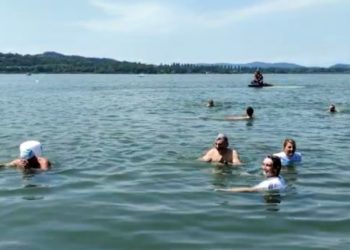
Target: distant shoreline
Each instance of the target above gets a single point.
(55, 63)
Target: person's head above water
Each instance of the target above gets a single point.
(221, 141)
(250, 111)
(271, 166)
(29, 157)
(332, 108)
(210, 103)
(221, 153)
(289, 147)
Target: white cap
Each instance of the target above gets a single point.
(34, 146)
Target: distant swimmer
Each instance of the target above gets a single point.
(332, 108)
(210, 103)
(221, 153)
(30, 157)
(248, 116)
(271, 167)
(289, 156)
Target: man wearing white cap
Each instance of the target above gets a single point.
(30, 157)
(221, 152)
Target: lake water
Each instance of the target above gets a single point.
(126, 175)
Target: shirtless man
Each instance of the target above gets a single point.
(221, 153)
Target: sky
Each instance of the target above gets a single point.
(305, 32)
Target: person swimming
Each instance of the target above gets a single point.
(332, 108)
(289, 156)
(221, 153)
(271, 167)
(248, 116)
(210, 103)
(30, 157)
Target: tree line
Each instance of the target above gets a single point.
(52, 62)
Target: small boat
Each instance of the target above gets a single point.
(254, 84)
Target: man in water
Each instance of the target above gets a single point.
(271, 167)
(248, 116)
(221, 153)
(30, 157)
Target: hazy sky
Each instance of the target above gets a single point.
(307, 32)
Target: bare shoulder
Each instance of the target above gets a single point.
(208, 155)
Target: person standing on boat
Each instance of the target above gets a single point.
(258, 78)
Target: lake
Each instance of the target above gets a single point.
(125, 171)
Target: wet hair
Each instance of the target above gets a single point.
(291, 141)
(276, 163)
(332, 108)
(210, 103)
(250, 111)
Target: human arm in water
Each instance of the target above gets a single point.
(41, 162)
(18, 163)
(239, 189)
(237, 118)
(235, 158)
(207, 157)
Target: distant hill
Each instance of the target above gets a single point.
(53, 62)
(340, 66)
(263, 65)
(281, 65)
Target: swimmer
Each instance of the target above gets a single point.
(332, 108)
(210, 103)
(221, 153)
(271, 167)
(30, 157)
(289, 155)
(248, 116)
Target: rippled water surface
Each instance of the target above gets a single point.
(126, 175)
